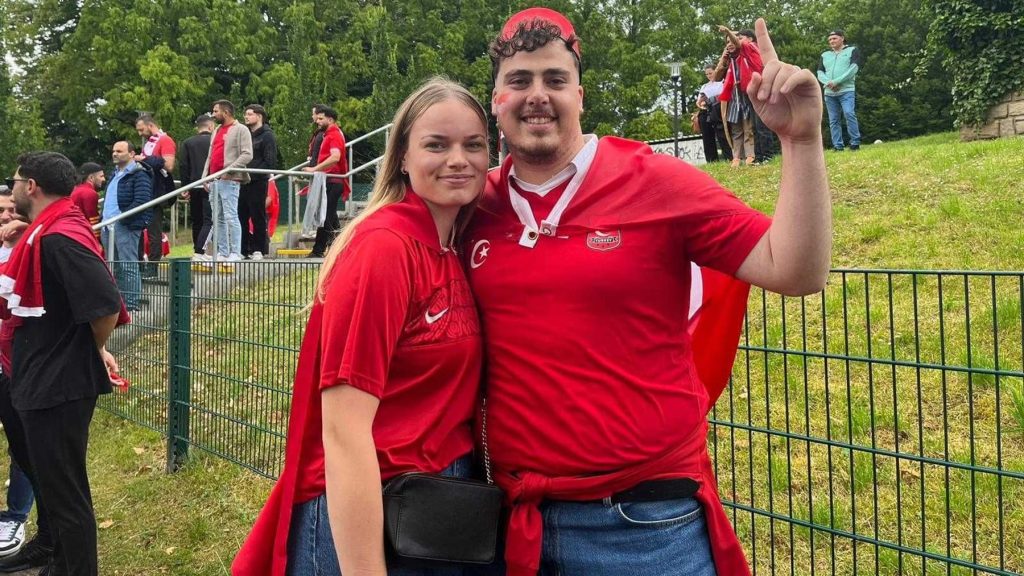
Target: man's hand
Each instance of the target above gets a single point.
(12, 230)
(108, 361)
(785, 97)
(724, 29)
(831, 85)
(139, 158)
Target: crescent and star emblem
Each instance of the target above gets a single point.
(479, 253)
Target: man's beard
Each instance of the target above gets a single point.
(23, 206)
(538, 152)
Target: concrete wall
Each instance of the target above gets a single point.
(1005, 120)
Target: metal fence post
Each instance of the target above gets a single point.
(179, 356)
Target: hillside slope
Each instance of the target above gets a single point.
(926, 203)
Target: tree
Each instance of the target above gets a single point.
(980, 43)
(901, 92)
(20, 124)
(90, 67)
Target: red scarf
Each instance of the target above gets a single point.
(21, 279)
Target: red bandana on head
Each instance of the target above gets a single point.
(529, 18)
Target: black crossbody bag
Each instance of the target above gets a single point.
(433, 518)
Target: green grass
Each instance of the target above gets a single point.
(929, 203)
(182, 245)
(151, 523)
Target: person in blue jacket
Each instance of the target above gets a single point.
(130, 186)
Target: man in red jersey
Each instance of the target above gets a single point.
(330, 159)
(86, 194)
(158, 151)
(580, 259)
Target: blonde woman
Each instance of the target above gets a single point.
(390, 362)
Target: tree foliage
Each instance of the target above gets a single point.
(981, 44)
(20, 122)
(90, 66)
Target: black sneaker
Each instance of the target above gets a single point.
(32, 555)
(854, 147)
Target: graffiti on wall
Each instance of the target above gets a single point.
(690, 150)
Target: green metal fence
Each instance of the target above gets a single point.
(874, 428)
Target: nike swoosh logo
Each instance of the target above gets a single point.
(431, 318)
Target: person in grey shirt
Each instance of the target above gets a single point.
(230, 147)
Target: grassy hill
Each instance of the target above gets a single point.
(927, 203)
(923, 365)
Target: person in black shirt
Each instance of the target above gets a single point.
(252, 200)
(56, 338)
(316, 140)
(192, 158)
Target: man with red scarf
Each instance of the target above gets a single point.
(580, 256)
(60, 304)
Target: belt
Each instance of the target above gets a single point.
(654, 491)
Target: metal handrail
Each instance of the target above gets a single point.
(293, 168)
(292, 173)
(368, 134)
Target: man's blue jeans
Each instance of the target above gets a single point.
(19, 496)
(229, 228)
(666, 538)
(842, 103)
(126, 263)
(651, 538)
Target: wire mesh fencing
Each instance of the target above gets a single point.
(878, 427)
(874, 428)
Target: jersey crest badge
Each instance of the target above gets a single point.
(604, 241)
(478, 255)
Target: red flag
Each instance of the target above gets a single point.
(718, 303)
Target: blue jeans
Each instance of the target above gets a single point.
(229, 228)
(842, 103)
(19, 496)
(311, 546)
(126, 263)
(667, 538)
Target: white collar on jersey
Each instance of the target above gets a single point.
(577, 170)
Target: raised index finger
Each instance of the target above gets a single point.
(764, 42)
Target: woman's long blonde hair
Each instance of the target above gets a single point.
(390, 185)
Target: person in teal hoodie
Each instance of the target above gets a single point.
(837, 72)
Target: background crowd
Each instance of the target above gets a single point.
(363, 61)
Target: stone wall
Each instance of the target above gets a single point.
(1005, 120)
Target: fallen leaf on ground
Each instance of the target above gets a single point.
(106, 524)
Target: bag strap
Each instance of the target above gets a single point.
(483, 440)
